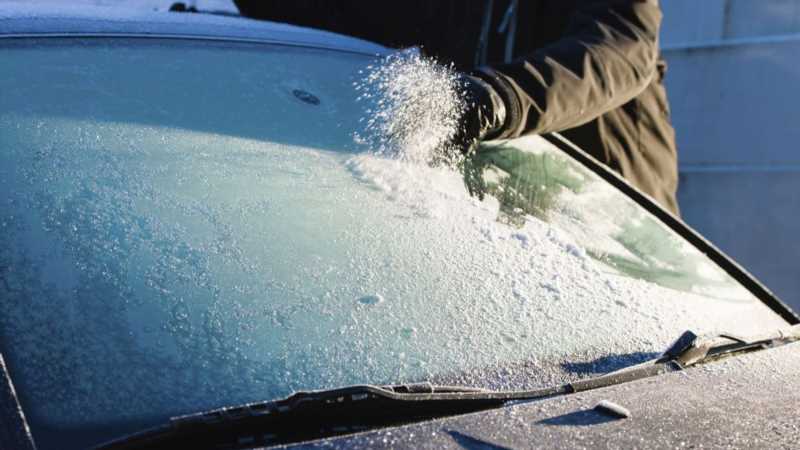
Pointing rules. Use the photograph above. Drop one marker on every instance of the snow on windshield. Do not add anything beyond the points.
(184, 239)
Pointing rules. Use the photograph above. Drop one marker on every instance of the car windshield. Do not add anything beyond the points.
(190, 224)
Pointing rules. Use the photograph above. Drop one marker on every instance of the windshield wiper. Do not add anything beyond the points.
(312, 415)
(691, 349)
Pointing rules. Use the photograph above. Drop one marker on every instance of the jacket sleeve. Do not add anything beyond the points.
(606, 58)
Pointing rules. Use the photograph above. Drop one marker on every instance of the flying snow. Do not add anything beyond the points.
(413, 107)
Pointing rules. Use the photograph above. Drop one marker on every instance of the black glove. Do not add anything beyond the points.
(483, 116)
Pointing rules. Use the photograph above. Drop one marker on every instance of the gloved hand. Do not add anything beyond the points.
(483, 116)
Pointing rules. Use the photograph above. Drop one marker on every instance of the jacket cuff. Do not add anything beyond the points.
(506, 92)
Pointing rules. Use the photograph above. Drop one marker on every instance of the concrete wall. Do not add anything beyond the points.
(693, 21)
(734, 87)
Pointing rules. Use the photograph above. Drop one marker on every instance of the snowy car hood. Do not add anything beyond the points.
(744, 402)
(25, 19)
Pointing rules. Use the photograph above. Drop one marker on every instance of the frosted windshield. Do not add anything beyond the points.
(189, 225)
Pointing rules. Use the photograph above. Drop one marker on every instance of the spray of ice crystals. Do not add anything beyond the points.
(412, 109)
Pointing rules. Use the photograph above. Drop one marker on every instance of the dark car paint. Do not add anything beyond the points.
(748, 401)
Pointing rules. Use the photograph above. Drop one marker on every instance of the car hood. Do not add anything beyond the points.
(17, 18)
(744, 402)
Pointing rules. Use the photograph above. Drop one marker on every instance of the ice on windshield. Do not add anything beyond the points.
(188, 227)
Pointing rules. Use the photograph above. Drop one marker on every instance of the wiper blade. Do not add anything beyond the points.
(306, 416)
(312, 415)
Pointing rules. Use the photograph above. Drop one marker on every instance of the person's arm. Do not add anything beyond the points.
(607, 57)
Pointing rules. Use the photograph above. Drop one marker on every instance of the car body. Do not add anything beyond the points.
(190, 226)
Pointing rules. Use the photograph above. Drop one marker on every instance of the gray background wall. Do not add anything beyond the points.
(733, 86)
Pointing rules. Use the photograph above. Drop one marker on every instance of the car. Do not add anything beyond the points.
(195, 252)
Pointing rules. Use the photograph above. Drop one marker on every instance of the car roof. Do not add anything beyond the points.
(47, 19)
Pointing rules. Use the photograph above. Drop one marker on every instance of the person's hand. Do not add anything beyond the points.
(483, 116)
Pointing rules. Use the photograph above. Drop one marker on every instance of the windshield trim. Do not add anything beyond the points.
(676, 224)
(14, 429)
(186, 37)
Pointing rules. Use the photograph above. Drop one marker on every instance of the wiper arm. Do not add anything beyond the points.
(691, 349)
(312, 415)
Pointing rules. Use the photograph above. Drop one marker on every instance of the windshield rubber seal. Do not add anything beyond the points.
(14, 430)
(736, 271)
